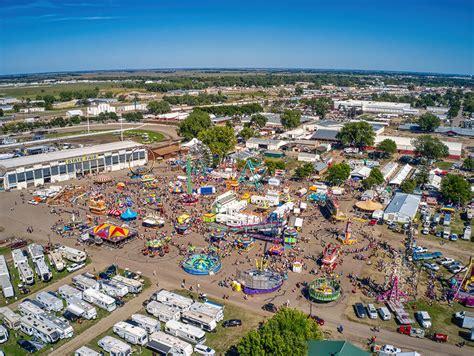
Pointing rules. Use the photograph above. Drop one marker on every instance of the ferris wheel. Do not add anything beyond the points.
(201, 158)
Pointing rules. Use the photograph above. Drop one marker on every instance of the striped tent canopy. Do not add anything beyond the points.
(111, 232)
(114, 212)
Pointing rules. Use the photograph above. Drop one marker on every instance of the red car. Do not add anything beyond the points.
(373, 222)
(440, 337)
(317, 319)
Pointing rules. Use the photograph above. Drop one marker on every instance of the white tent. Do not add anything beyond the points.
(274, 181)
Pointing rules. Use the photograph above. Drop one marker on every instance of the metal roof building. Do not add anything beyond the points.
(402, 208)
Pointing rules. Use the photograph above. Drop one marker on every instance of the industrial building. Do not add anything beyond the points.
(379, 107)
(27, 171)
(402, 208)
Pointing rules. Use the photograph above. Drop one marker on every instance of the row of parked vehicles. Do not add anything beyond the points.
(431, 224)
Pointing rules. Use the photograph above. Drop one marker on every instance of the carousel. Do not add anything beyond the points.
(202, 264)
(323, 290)
(156, 247)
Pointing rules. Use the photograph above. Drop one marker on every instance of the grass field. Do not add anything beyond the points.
(136, 135)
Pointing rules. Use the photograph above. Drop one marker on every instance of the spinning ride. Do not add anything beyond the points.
(290, 237)
(245, 242)
(217, 235)
(330, 254)
(202, 264)
(145, 169)
(182, 224)
(259, 281)
(324, 290)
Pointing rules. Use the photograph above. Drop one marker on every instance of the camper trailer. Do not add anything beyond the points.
(10, 319)
(42, 270)
(86, 351)
(132, 285)
(34, 327)
(186, 332)
(113, 288)
(160, 341)
(173, 300)
(81, 309)
(3, 334)
(102, 300)
(114, 347)
(131, 333)
(67, 292)
(59, 324)
(5, 282)
(214, 310)
(72, 254)
(148, 323)
(20, 261)
(163, 312)
(36, 252)
(50, 301)
(198, 319)
(56, 260)
(30, 307)
(82, 282)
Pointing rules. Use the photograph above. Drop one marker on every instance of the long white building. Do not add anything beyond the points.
(34, 170)
(381, 107)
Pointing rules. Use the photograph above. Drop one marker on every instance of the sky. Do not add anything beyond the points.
(402, 35)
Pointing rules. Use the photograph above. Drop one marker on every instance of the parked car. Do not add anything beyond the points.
(360, 310)
(74, 267)
(317, 319)
(231, 323)
(423, 318)
(371, 311)
(27, 346)
(204, 350)
(384, 313)
(270, 307)
(420, 249)
(431, 266)
(445, 261)
(390, 349)
(453, 237)
(119, 302)
(425, 231)
(372, 222)
(456, 269)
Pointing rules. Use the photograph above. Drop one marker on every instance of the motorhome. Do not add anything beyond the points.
(72, 254)
(36, 252)
(5, 282)
(163, 312)
(148, 323)
(132, 285)
(159, 339)
(214, 310)
(102, 300)
(86, 351)
(173, 300)
(67, 292)
(50, 301)
(34, 327)
(59, 324)
(200, 320)
(186, 332)
(82, 282)
(56, 260)
(3, 334)
(113, 288)
(81, 308)
(10, 319)
(30, 307)
(114, 347)
(42, 270)
(20, 261)
(131, 333)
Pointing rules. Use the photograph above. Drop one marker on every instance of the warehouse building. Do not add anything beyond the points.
(379, 107)
(58, 166)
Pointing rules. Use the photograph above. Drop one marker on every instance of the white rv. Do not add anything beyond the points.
(200, 320)
(186, 332)
(50, 301)
(148, 323)
(20, 261)
(72, 254)
(114, 347)
(34, 327)
(173, 300)
(42, 270)
(132, 285)
(36, 252)
(56, 260)
(81, 309)
(214, 310)
(82, 282)
(30, 307)
(59, 324)
(163, 312)
(102, 300)
(86, 351)
(113, 288)
(3, 334)
(5, 282)
(131, 333)
(67, 292)
(159, 339)
(10, 319)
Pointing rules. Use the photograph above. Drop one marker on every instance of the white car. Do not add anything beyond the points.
(431, 266)
(74, 267)
(390, 349)
(33, 202)
(457, 269)
(204, 350)
(419, 249)
(445, 261)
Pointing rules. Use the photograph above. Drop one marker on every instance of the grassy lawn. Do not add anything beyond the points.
(71, 133)
(33, 91)
(444, 165)
(224, 338)
(153, 136)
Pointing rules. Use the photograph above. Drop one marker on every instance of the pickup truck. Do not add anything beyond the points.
(411, 331)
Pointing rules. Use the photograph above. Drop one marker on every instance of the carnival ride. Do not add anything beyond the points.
(201, 159)
(182, 224)
(129, 214)
(330, 254)
(245, 242)
(153, 220)
(217, 235)
(260, 280)
(202, 264)
(465, 285)
(392, 292)
(144, 169)
(347, 238)
(189, 198)
(324, 290)
(255, 172)
(290, 237)
(156, 247)
(97, 206)
(276, 250)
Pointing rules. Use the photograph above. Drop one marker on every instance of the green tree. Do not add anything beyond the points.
(286, 333)
(1, 113)
(133, 116)
(408, 186)
(159, 107)
(375, 178)
(456, 189)
(246, 133)
(422, 176)
(359, 134)
(258, 120)
(304, 171)
(338, 173)
(389, 146)
(298, 90)
(320, 106)
(273, 165)
(468, 164)
(220, 140)
(430, 147)
(290, 119)
(196, 122)
(428, 122)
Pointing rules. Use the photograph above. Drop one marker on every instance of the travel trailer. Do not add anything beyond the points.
(30, 307)
(132, 285)
(10, 319)
(114, 347)
(163, 312)
(20, 261)
(5, 282)
(178, 347)
(72, 254)
(131, 333)
(67, 292)
(34, 327)
(42, 270)
(86, 351)
(82, 282)
(50, 301)
(102, 300)
(59, 324)
(148, 323)
(214, 310)
(56, 260)
(81, 309)
(173, 300)
(200, 320)
(186, 332)
(113, 288)
(3, 334)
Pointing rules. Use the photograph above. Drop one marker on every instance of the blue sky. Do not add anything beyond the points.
(411, 35)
